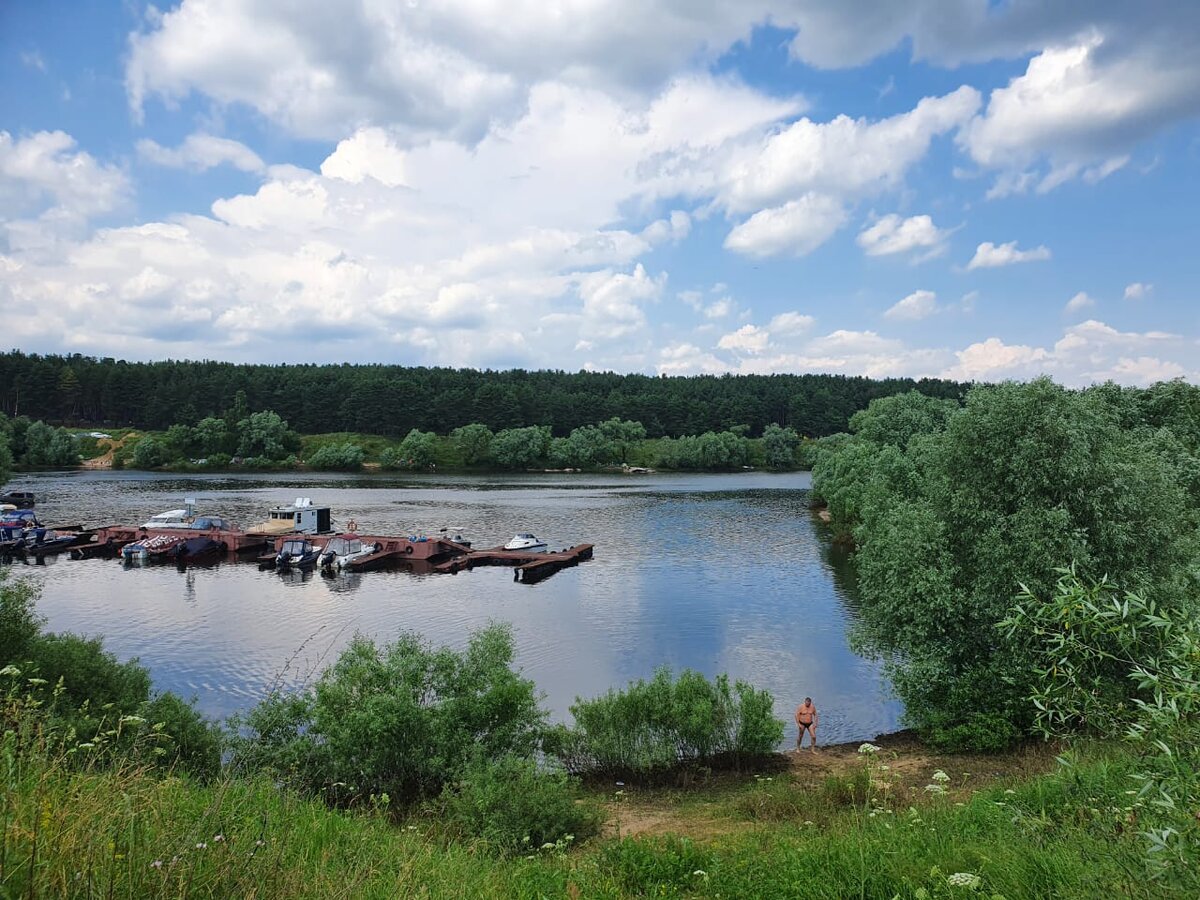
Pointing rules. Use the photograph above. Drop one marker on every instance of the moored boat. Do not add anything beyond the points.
(297, 554)
(197, 547)
(340, 551)
(525, 542)
(156, 546)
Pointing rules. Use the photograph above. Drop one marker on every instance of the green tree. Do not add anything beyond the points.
(46, 446)
(473, 441)
(265, 434)
(211, 436)
(417, 451)
(150, 453)
(6, 459)
(779, 446)
(180, 441)
(621, 436)
(519, 448)
(952, 509)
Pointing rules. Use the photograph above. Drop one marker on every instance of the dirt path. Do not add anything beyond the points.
(105, 460)
(717, 807)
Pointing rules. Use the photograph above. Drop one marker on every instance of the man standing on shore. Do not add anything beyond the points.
(806, 719)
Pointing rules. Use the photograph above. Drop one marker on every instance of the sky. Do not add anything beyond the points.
(970, 189)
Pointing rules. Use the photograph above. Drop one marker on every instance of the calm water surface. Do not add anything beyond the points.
(720, 573)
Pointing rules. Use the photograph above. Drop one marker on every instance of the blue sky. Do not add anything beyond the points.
(959, 188)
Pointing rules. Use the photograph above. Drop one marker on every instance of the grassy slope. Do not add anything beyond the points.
(805, 832)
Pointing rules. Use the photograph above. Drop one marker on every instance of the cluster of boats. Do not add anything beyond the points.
(182, 536)
(21, 533)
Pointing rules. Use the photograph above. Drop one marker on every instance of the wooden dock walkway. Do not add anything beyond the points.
(530, 567)
(416, 552)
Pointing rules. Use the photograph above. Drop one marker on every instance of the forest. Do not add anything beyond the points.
(392, 400)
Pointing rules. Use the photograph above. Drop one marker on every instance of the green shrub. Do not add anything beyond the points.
(84, 693)
(19, 622)
(1114, 662)
(150, 453)
(515, 807)
(345, 457)
(191, 744)
(657, 725)
(982, 732)
(418, 450)
(402, 719)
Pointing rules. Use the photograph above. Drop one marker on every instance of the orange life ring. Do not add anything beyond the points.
(352, 525)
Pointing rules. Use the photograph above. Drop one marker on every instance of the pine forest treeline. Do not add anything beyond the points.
(391, 400)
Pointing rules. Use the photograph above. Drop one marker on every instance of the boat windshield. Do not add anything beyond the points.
(295, 547)
(340, 546)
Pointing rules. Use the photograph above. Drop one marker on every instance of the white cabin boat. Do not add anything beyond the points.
(174, 518)
(340, 551)
(525, 542)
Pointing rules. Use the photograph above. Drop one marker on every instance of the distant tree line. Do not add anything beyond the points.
(393, 400)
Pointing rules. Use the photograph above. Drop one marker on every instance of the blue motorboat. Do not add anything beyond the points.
(297, 554)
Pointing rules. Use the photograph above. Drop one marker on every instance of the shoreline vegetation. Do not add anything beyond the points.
(1028, 567)
(405, 770)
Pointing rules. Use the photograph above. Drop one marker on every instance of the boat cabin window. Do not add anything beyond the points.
(294, 546)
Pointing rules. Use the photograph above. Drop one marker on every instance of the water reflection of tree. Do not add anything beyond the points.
(839, 560)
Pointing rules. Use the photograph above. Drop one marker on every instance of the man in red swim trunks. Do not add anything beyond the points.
(806, 719)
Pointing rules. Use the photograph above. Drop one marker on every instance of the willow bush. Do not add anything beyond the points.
(660, 724)
(952, 508)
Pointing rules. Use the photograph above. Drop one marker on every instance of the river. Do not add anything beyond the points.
(719, 573)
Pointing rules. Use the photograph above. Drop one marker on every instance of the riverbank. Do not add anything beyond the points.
(1016, 825)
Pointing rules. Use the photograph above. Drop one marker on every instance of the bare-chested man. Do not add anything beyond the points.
(806, 719)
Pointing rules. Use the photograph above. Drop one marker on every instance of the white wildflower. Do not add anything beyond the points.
(941, 776)
(867, 749)
(965, 879)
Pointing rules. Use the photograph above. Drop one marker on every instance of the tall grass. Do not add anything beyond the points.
(71, 830)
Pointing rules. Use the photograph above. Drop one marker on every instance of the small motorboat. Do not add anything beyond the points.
(343, 550)
(172, 518)
(296, 554)
(158, 546)
(40, 541)
(525, 542)
(196, 548)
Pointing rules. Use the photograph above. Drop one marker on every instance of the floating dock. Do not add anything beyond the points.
(530, 567)
(426, 554)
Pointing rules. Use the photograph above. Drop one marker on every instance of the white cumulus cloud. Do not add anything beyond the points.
(747, 339)
(796, 228)
(1138, 291)
(201, 152)
(893, 234)
(1079, 302)
(989, 255)
(917, 305)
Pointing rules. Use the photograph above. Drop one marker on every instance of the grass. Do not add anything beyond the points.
(68, 831)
